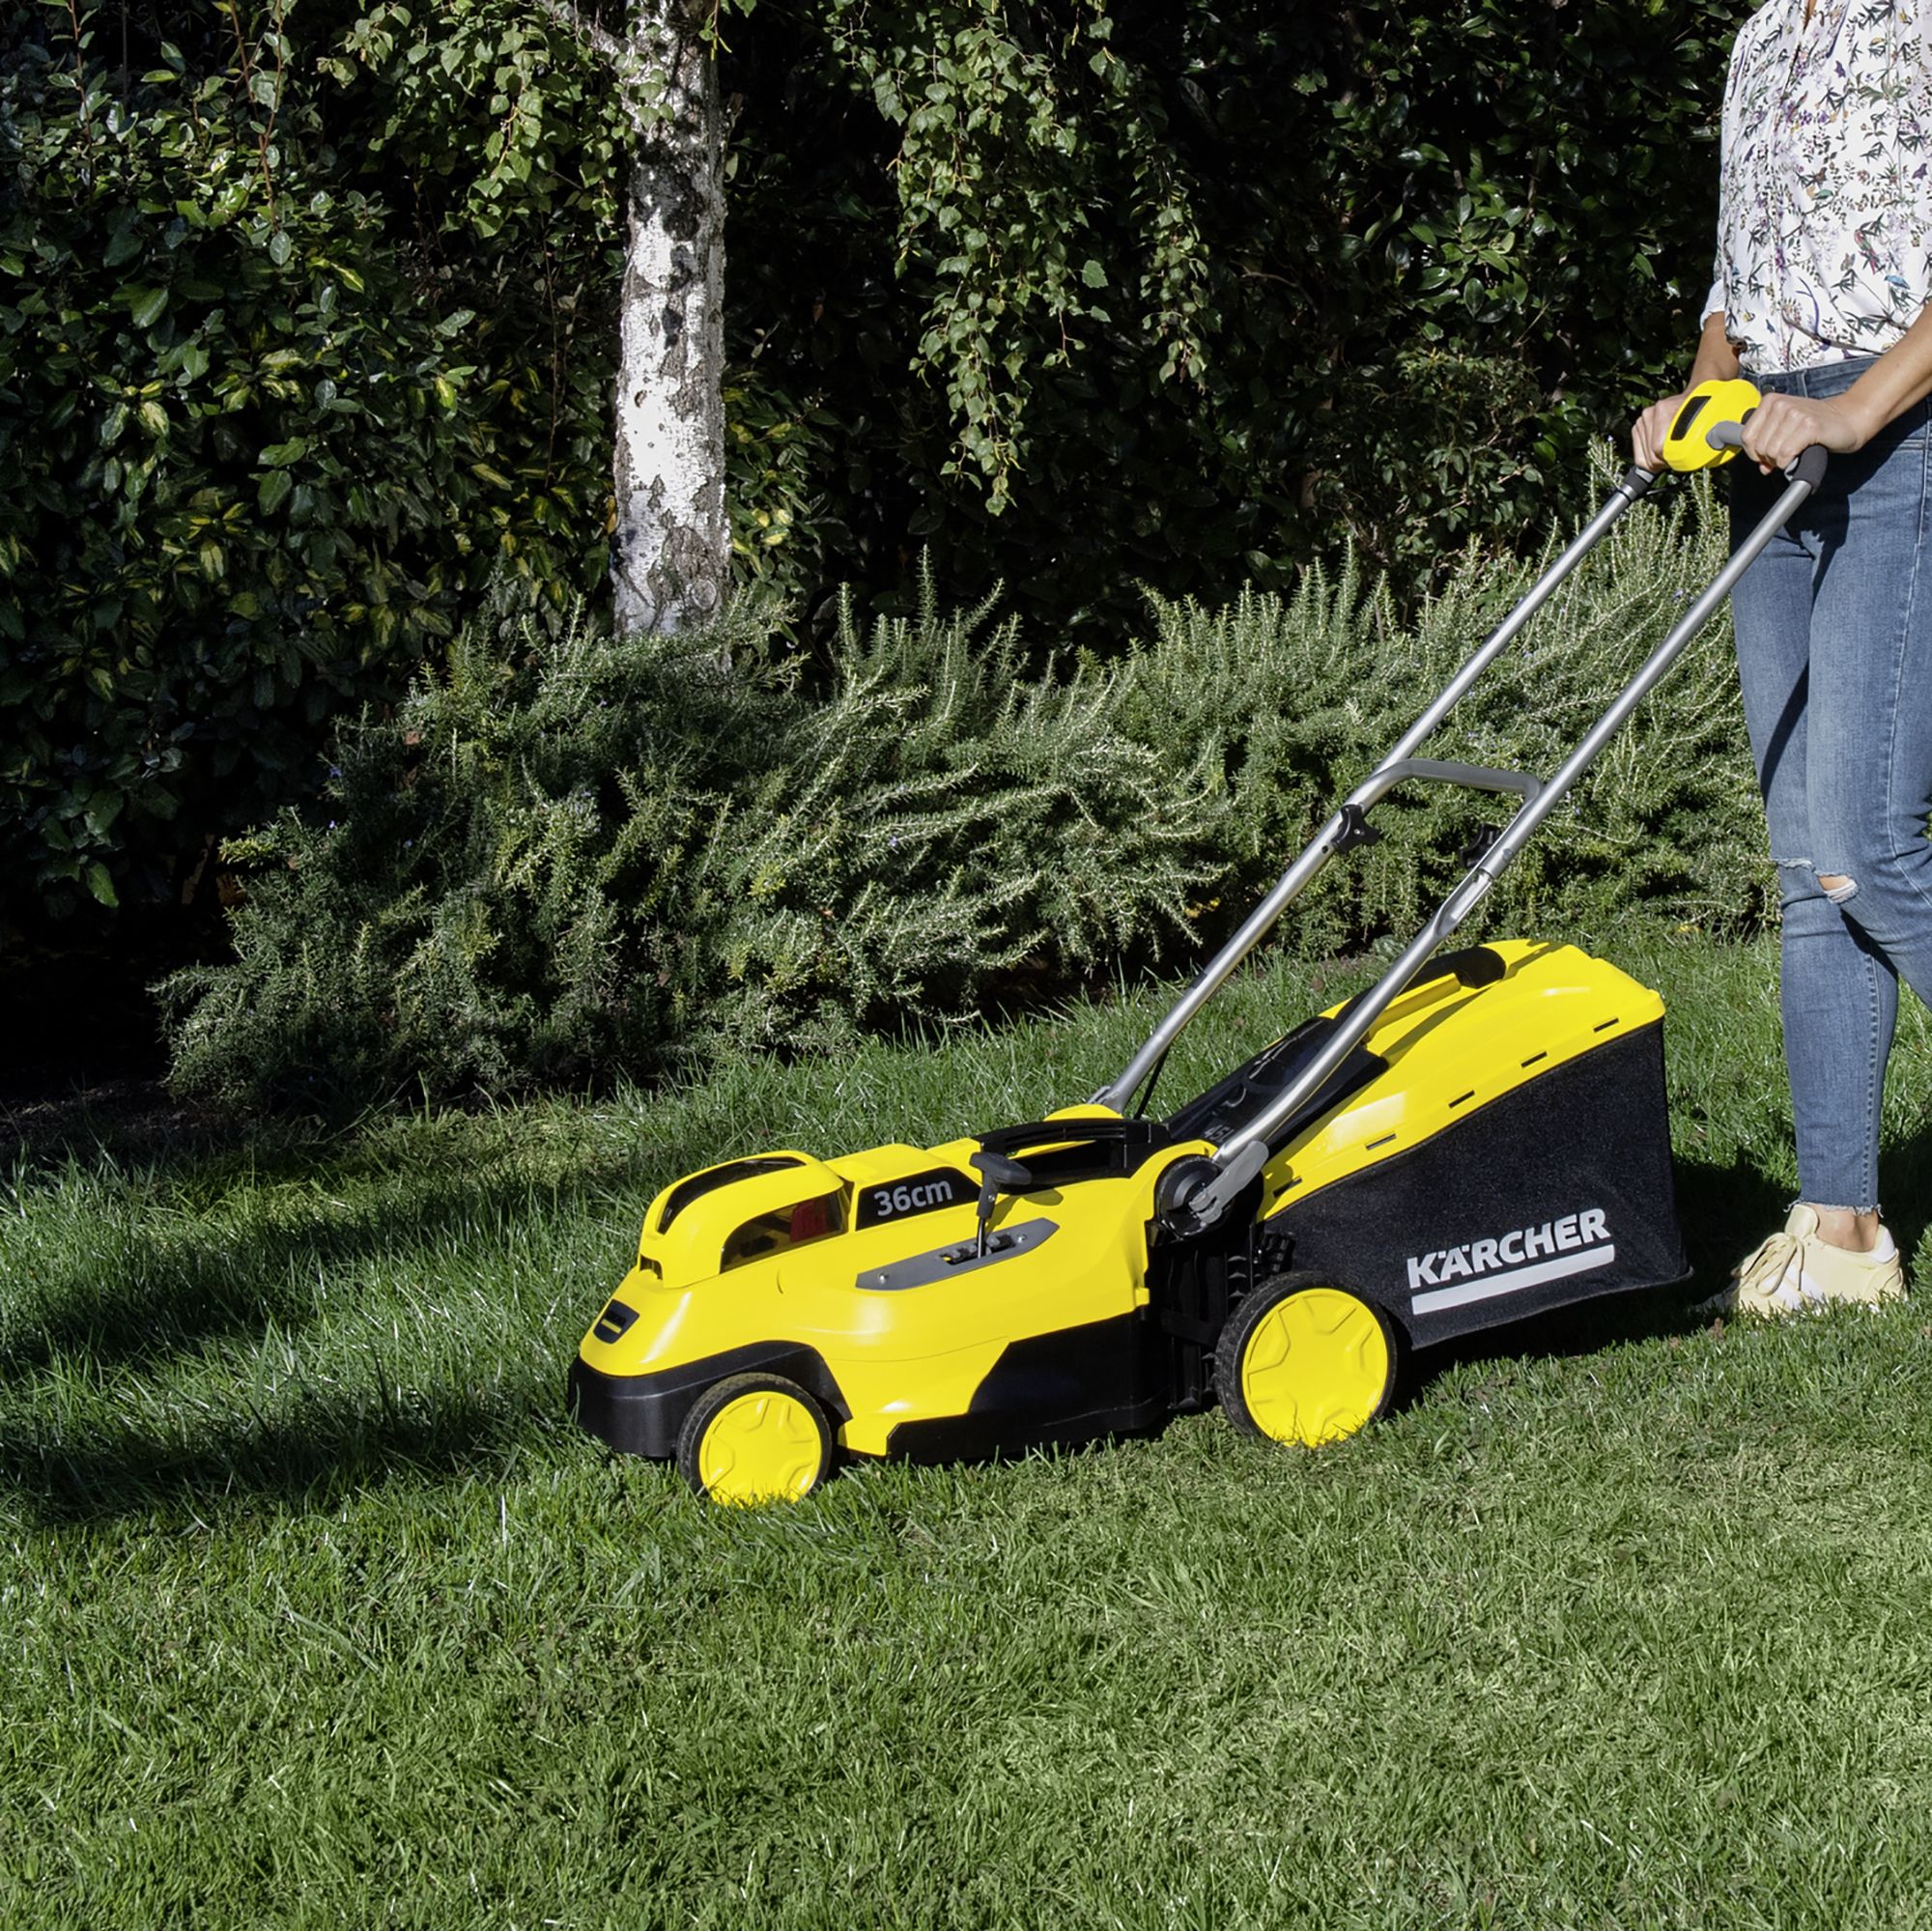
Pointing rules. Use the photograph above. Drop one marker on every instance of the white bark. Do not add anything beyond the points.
(671, 549)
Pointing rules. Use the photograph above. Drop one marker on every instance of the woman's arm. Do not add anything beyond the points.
(1715, 358)
(1780, 427)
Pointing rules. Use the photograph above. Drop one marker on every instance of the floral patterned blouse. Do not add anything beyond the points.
(1825, 216)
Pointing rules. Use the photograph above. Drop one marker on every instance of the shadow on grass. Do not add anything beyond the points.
(119, 1309)
(233, 1240)
(119, 1119)
(1905, 1185)
(323, 1450)
(1724, 1212)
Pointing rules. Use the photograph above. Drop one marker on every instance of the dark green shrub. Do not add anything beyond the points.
(308, 320)
(239, 451)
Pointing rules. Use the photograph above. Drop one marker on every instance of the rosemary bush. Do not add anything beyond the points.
(565, 856)
(569, 854)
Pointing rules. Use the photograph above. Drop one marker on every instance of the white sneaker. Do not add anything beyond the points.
(1795, 1272)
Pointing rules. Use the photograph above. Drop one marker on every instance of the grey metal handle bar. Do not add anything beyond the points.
(1245, 1152)
(1477, 777)
(1339, 832)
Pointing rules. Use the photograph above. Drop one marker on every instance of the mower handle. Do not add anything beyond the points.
(1808, 467)
(1244, 1154)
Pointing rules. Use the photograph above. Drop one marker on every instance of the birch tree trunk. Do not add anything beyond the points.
(670, 549)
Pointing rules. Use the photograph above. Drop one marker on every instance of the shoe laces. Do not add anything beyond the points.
(1764, 1269)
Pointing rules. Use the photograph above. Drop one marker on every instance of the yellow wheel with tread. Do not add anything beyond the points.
(753, 1439)
(1302, 1360)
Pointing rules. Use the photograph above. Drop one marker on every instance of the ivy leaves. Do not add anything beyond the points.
(1006, 190)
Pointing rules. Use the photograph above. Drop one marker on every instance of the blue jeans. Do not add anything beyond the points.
(1835, 650)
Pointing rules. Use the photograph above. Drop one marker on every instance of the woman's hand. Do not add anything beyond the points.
(1782, 428)
(1648, 431)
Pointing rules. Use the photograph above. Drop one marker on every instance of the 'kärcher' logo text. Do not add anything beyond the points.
(1524, 1244)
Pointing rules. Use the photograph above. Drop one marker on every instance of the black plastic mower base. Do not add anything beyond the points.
(641, 1415)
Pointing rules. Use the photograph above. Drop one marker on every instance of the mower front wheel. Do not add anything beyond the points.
(755, 1438)
(1305, 1361)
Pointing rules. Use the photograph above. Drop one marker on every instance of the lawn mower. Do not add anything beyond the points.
(1479, 1135)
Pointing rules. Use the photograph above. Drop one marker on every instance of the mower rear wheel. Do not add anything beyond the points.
(1305, 1361)
(755, 1438)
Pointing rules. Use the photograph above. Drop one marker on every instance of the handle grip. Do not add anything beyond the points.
(995, 1172)
(1709, 429)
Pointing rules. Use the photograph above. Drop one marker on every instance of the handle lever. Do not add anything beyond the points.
(997, 1176)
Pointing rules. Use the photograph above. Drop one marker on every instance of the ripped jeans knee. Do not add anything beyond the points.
(1836, 886)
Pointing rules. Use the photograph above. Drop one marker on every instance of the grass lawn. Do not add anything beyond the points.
(313, 1610)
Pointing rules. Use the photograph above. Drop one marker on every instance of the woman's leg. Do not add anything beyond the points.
(1870, 760)
(1839, 992)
